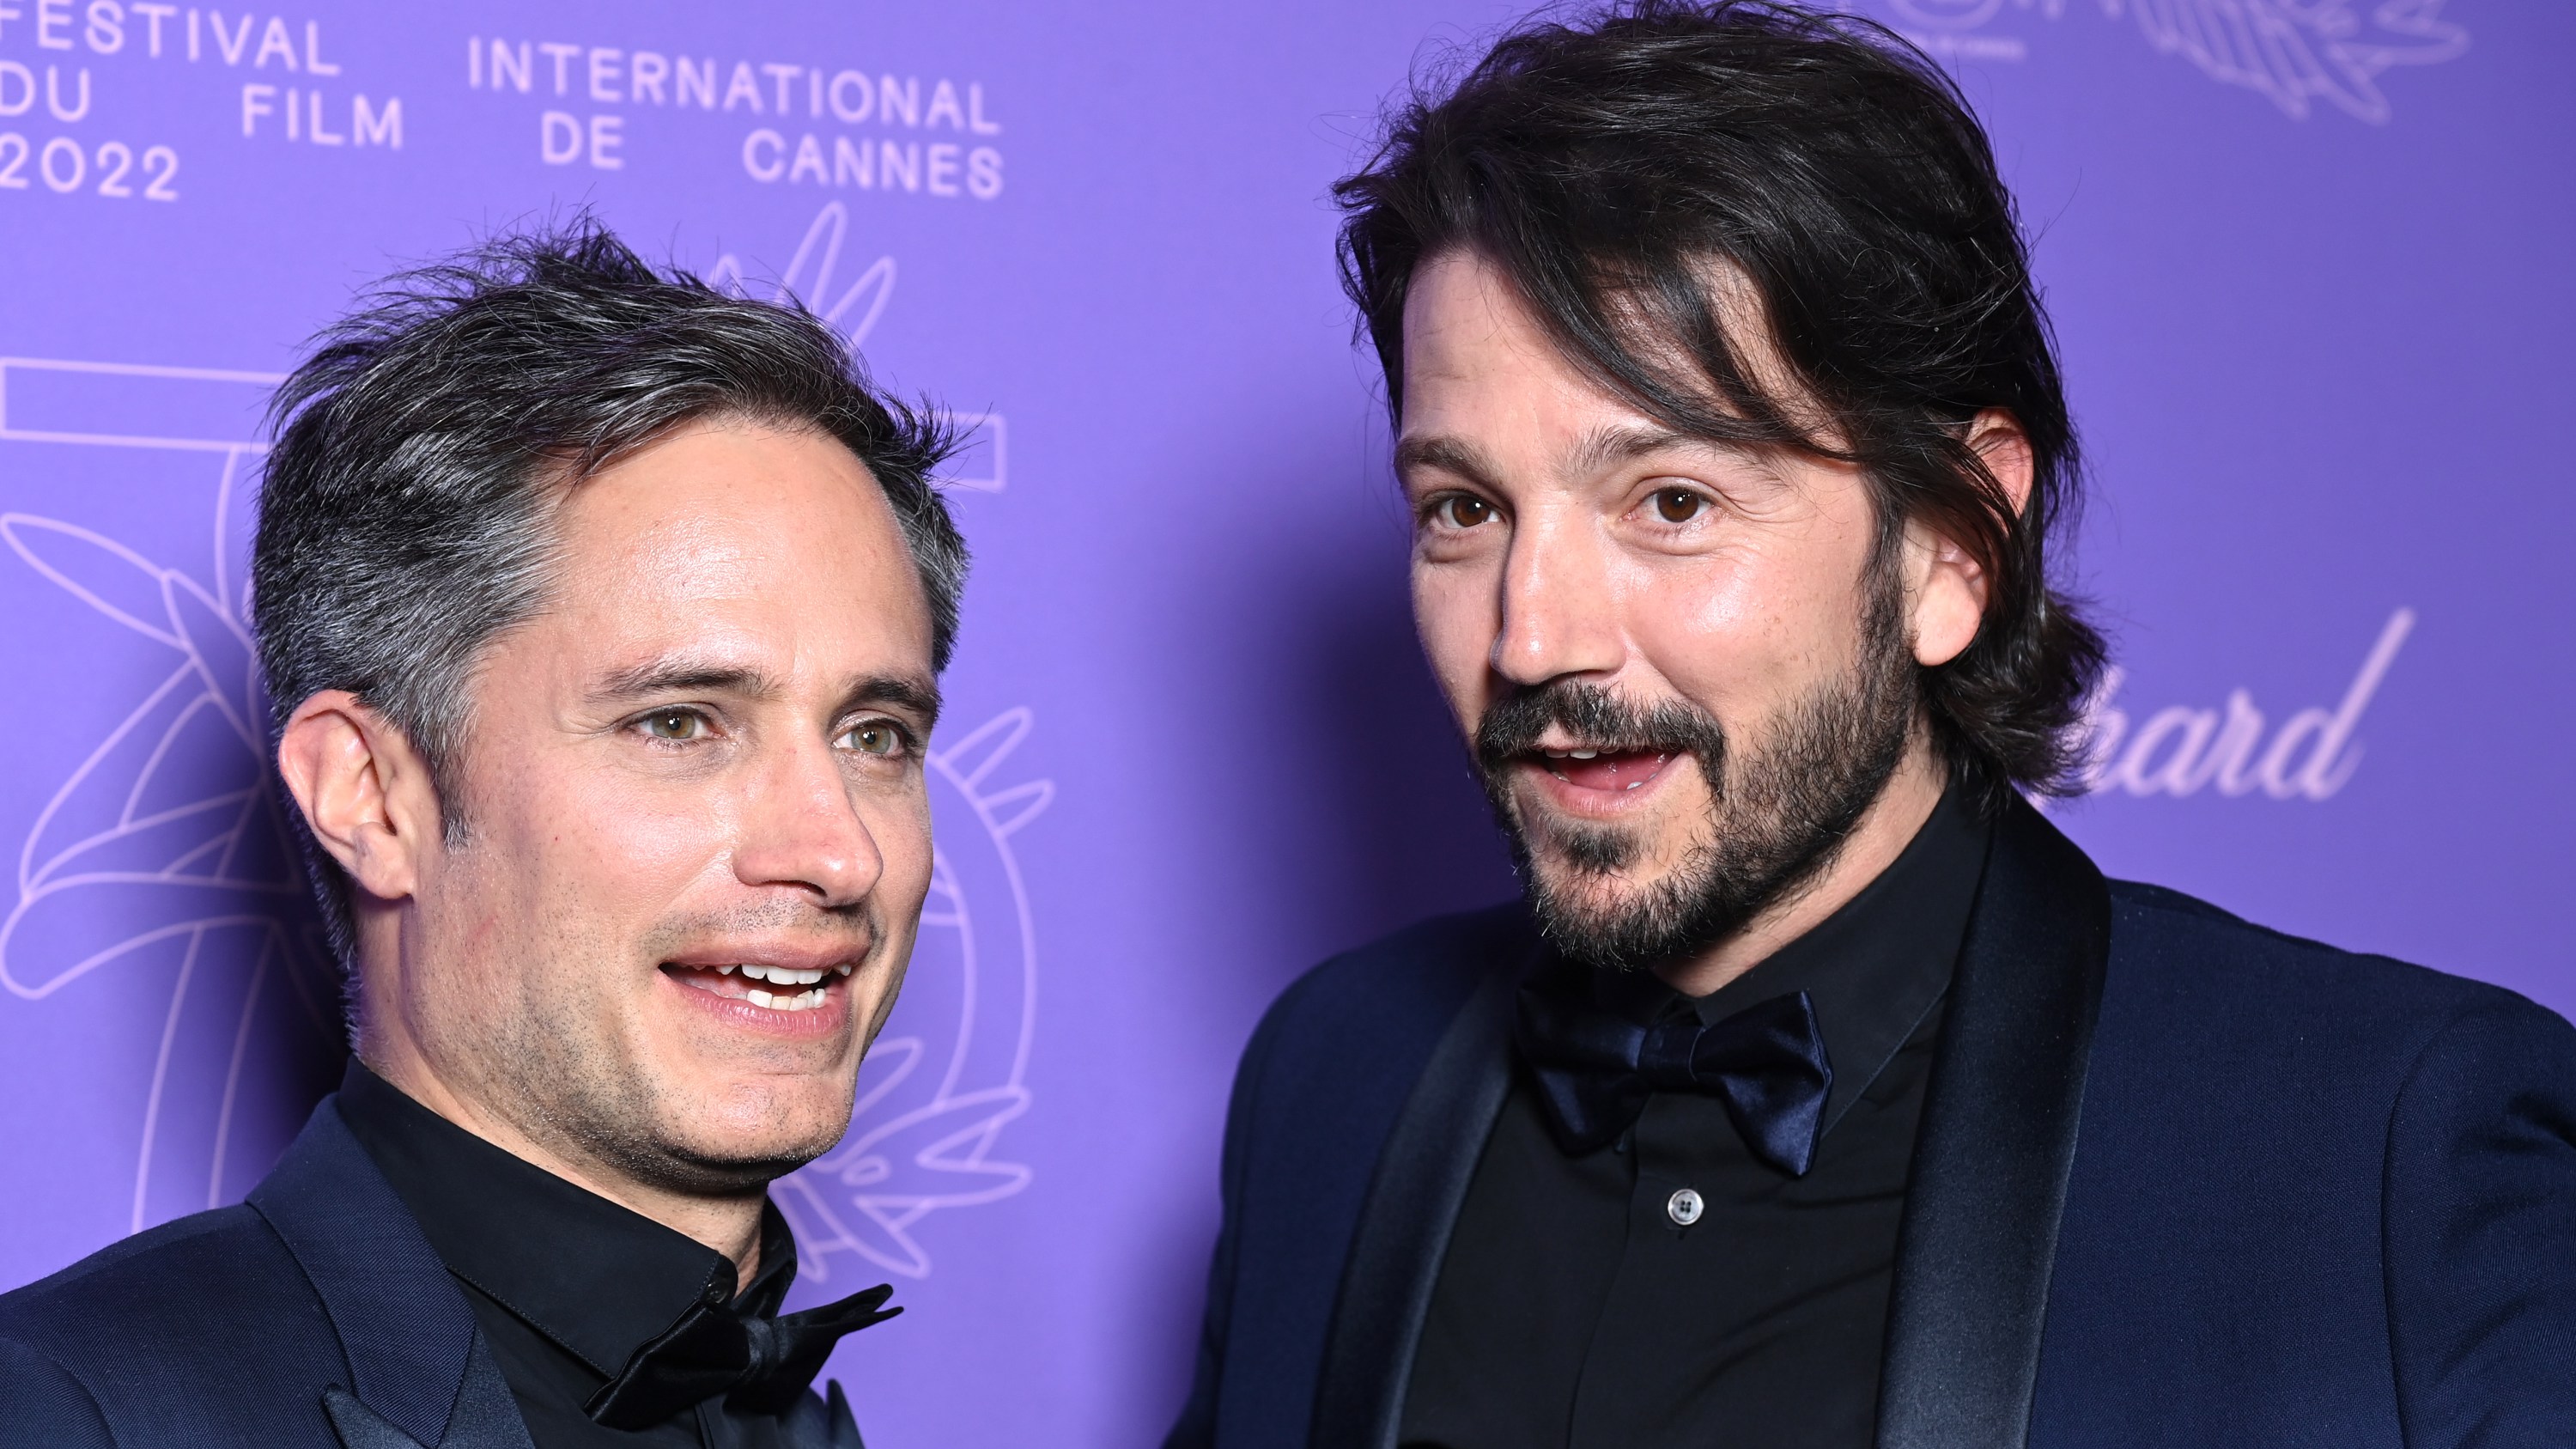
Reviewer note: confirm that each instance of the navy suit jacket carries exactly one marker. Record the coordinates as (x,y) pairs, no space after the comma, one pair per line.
(313,1316)
(2181,1182)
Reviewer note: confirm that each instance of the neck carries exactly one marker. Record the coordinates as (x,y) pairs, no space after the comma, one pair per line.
(729,1223)
(1881,835)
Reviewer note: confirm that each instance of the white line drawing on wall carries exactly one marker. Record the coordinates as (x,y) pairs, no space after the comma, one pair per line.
(169,834)
(2292,52)
(809,276)
(949,1073)
(231,447)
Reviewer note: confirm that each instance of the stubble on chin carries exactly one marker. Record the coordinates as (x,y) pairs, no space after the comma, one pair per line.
(1769,820)
(591,1076)
(657,1127)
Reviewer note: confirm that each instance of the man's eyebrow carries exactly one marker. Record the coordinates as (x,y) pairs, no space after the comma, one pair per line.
(917,693)
(1448,455)
(676,674)
(680,675)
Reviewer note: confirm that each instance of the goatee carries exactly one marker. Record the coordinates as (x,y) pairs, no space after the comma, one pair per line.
(1776,818)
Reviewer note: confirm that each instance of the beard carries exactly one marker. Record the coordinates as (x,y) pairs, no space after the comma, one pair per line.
(1776,817)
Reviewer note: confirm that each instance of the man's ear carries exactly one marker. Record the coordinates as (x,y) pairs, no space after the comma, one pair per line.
(1996,436)
(365,792)
(1949,586)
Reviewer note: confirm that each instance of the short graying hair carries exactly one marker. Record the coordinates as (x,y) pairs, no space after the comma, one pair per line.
(406,514)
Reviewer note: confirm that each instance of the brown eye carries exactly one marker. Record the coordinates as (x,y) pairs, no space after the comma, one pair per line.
(1678,505)
(1461,511)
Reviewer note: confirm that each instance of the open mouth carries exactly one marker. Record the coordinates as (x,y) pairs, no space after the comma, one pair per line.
(772,988)
(1604,767)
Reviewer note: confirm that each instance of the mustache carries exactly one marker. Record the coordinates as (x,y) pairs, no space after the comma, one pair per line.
(1595,718)
(859,924)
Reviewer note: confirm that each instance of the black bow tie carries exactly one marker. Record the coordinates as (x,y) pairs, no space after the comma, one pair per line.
(1596,1069)
(760,1364)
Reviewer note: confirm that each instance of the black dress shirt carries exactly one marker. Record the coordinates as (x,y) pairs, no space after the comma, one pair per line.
(1573,1312)
(566,1284)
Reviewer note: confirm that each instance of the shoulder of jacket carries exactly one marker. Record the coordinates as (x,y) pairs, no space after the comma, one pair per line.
(154,1290)
(2182,937)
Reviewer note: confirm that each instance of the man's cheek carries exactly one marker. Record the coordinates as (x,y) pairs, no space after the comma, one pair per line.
(642,834)
(1456,624)
(903,889)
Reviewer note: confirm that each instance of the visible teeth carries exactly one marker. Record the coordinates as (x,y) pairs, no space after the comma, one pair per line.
(806,1000)
(781,975)
(1585,754)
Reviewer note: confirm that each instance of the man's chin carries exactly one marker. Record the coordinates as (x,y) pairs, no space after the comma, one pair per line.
(1586,903)
(717,1163)
(1636,916)
(713,1127)
(1581,887)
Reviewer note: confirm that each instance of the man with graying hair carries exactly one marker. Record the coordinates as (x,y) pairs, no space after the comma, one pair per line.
(602,616)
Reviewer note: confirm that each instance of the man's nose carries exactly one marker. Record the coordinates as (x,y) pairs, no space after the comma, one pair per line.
(1559,615)
(801,830)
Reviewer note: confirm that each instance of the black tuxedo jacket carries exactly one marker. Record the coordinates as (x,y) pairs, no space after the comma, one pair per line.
(313,1316)
(2181,1182)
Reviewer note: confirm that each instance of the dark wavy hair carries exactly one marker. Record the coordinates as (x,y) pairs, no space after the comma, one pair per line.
(1618,165)
(405,518)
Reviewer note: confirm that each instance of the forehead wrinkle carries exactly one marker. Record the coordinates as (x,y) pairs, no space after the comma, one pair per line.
(1607,446)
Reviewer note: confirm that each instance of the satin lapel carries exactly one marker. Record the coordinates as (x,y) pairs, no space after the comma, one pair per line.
(417,1363)
(1997,1144)
(1422,1178)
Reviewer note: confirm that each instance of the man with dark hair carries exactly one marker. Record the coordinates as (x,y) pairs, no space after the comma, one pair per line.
(1822,1094)
(602,616)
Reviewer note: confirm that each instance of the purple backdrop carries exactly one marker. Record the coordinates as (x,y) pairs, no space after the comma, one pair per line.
(2308,261)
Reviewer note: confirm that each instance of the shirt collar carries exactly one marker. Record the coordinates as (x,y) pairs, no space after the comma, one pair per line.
(1871,969)
(599,1279)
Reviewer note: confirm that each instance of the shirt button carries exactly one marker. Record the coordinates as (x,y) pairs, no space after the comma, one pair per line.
(1684,1208)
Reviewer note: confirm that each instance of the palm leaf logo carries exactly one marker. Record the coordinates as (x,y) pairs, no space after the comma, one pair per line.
(164,859)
